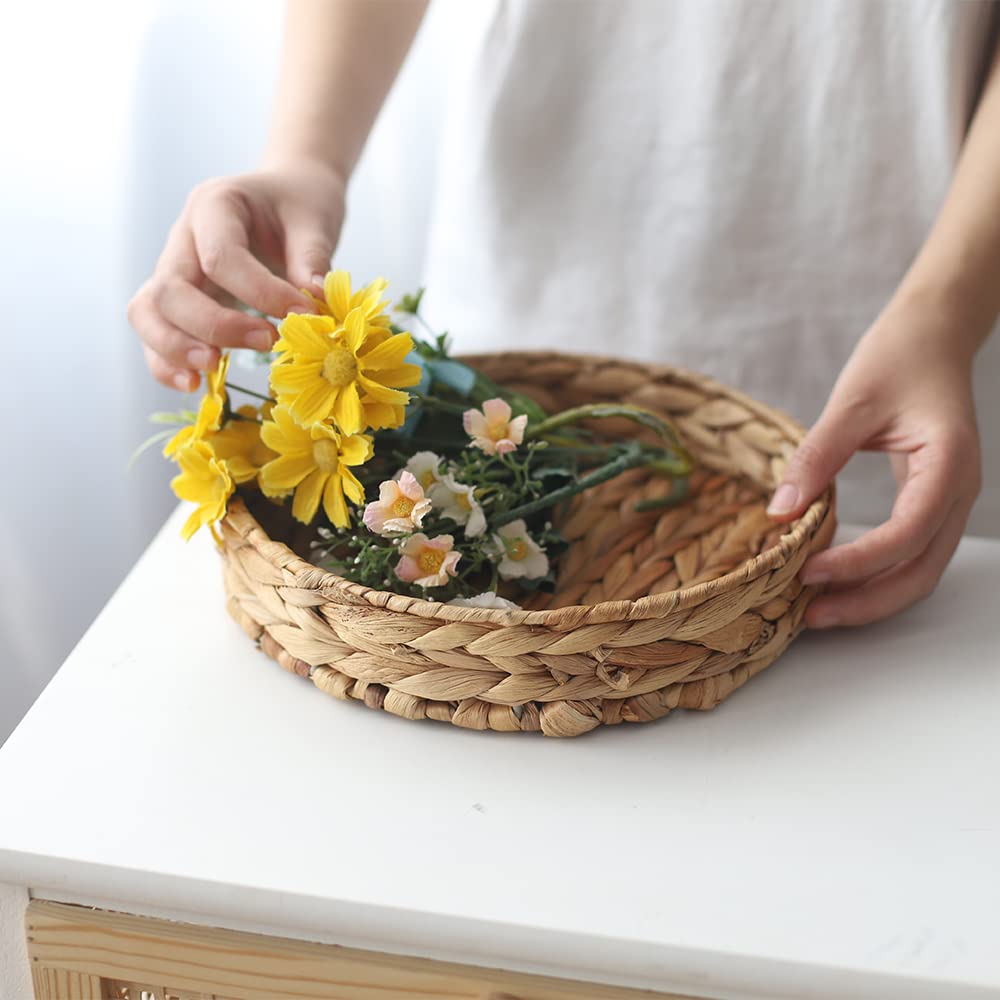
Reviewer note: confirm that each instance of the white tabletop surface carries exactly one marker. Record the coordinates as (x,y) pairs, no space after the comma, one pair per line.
(831,830)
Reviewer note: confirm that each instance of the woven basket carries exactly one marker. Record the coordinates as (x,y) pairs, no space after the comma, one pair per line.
(674,608)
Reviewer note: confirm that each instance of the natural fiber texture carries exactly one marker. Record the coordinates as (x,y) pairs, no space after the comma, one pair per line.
(674,608)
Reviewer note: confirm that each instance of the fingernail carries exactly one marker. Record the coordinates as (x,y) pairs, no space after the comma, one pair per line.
(184,381)
(824,619)
(317,280)
(784,500)
(260,340)
(813,577)
(200,359)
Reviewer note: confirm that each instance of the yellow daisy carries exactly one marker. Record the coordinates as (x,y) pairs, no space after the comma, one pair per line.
(209,411)
(326,370)
(338,300)
(204,480)
(240,445)
(315,463)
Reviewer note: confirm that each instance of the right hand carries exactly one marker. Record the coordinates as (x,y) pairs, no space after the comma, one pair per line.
(287,217)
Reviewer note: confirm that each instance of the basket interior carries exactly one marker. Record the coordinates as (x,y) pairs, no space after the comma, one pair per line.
(617,553)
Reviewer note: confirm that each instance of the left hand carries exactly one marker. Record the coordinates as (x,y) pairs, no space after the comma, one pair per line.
(907,391)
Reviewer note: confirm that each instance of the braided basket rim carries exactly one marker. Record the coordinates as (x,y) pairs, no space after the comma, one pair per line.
(243,523)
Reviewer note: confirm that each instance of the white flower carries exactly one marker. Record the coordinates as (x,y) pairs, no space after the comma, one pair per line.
(423,466)
(487,600)
(458,501)
(521,555)
(492,428)
(427,562)
(401,507)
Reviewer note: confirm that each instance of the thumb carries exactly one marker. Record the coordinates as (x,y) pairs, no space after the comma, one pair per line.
(822,454)
(308,250)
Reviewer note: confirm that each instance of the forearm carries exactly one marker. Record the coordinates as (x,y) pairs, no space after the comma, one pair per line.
(957,272)
(340,57)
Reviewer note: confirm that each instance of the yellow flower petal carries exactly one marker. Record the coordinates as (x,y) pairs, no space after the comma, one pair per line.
(314,404)
(305,336)
(400,378)
(347,411)
(285,472)
(308,495)
(390,353)
(383,416)
(192,524)
(356,449)
(351,486)
(333,502)
(282,434)
(240,469)
(289,378)
(204,481)
(182,438)
(337,291)
(382,394)
(355,330)
(377,334)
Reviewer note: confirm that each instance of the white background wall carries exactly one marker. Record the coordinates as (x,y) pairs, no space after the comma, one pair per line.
(111,111)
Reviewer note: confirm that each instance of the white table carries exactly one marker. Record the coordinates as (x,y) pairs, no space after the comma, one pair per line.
(831,830)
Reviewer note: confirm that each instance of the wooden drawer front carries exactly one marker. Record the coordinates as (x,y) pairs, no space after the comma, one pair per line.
(82,954)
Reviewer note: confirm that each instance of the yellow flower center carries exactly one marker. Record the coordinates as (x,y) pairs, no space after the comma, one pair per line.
(426,479)
(326,455)
(402,507)
(462,500)
(340,367)
(430,560)
(517,549)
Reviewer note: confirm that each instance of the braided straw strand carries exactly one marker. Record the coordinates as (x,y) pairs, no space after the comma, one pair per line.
(665,608)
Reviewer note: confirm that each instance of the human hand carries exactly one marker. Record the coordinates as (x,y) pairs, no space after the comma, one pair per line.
(907,391)
(234,234)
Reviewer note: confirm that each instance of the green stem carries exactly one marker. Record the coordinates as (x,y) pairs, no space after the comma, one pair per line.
(602,410)
(427,327)
(249,392)
(628,460)
(435,402)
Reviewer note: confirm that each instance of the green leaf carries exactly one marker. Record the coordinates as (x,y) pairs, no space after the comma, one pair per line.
(550,471)
(147,444)
(410,303)
(178,419)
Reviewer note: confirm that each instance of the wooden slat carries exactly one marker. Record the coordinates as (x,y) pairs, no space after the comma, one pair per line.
(61,984)
(223,963)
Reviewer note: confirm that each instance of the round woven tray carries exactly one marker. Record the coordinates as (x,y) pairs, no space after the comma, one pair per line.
(674,608)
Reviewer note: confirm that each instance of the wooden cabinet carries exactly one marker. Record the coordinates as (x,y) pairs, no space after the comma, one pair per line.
(78,953)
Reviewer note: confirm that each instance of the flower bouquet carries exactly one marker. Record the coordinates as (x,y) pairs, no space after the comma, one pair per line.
(513,542)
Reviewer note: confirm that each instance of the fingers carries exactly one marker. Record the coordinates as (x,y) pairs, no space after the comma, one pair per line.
(895,589)
(822,454)
(307,254)
(166,374)
(925,498)
(220,228)
(202,317)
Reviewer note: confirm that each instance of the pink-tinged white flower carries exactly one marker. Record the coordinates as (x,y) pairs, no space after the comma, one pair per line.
(427,562)
(424,467)
(520,555)
(492,428)
(487,600)
(401,507)
(458,501)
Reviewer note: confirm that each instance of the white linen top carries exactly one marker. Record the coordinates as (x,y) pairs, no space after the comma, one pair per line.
(735,186)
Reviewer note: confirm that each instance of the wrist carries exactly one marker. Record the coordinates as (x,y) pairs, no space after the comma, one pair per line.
(942,320)
(289,161)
